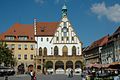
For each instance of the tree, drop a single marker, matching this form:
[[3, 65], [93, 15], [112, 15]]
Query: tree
[[6, 55]]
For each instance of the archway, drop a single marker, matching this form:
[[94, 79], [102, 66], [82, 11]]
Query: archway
[[59, 64], [69, 64], [78, 64], [30, 67], [49, 64]]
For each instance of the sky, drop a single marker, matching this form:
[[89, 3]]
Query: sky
[[91, 19]]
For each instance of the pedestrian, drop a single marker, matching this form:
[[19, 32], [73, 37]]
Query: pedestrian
[[34, 75], [71, 72], [83, 75], [31, 74], [68, 72]]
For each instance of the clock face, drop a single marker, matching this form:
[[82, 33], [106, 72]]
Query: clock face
[[64, 29]]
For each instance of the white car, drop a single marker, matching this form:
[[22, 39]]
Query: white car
[[60, 71], [78, 71], [50, 71]]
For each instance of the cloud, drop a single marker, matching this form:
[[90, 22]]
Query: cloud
[[112, 13]]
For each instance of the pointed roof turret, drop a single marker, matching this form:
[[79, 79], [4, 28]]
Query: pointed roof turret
[[64, 10], [64, 6]]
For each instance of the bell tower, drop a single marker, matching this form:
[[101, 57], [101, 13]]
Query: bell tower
[[64, 10]]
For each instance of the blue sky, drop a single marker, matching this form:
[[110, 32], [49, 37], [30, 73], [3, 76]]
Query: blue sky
[[91, 19]]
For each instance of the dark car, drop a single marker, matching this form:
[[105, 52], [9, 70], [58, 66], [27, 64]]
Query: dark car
[[6, 71]]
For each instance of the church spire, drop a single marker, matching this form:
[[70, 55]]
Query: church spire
[[64, 10]]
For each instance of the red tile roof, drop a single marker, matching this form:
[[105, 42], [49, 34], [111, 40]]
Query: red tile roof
[[46, 28], [99, 42], [19, 30]]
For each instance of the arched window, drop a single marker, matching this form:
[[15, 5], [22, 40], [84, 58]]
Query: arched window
[[65, 51], [40, 51], [56, 51], [45, 51], [74, 51]]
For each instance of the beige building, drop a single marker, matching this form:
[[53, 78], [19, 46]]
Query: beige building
[[20, 39]]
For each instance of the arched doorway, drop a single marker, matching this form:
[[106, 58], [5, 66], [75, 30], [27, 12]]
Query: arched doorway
[[59, 67], [59, 64], [69, 64], [65, 51], [78, 64], [21, 68], [30, 67], [49, 64], [49, 67]]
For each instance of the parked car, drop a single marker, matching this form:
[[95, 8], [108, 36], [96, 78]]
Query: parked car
[[6, 71]]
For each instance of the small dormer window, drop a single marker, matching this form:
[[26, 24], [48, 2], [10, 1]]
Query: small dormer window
[[42, 29], [22, 37], [9, 37]]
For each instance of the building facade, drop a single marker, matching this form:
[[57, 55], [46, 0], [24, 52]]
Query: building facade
[[20, 39], [104, 51], [117, 44], [107, 55], [59, 48], [92, 54], [111, 50], [50, 46]]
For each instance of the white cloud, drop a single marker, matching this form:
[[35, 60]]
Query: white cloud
[[111, 12]]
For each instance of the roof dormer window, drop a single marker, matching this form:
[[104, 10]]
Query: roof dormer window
[[9, 37], [22, 37], [42, 29]]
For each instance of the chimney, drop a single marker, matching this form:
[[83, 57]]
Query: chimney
[[35, 21]]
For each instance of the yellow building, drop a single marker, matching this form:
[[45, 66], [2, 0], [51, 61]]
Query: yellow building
[[20, 39]]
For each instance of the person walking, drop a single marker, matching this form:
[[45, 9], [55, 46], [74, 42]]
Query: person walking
[[71, 72], [31, 74]]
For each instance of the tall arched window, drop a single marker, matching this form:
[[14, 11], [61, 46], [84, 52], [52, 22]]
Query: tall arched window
[[56, 51], [45, 51], [74, 51], [65, 51], [40, 51]]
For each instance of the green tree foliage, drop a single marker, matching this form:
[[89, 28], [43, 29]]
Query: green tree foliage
[[6, 56]]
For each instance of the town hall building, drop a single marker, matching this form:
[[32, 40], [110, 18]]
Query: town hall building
[[58, 46], [49, 46]]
